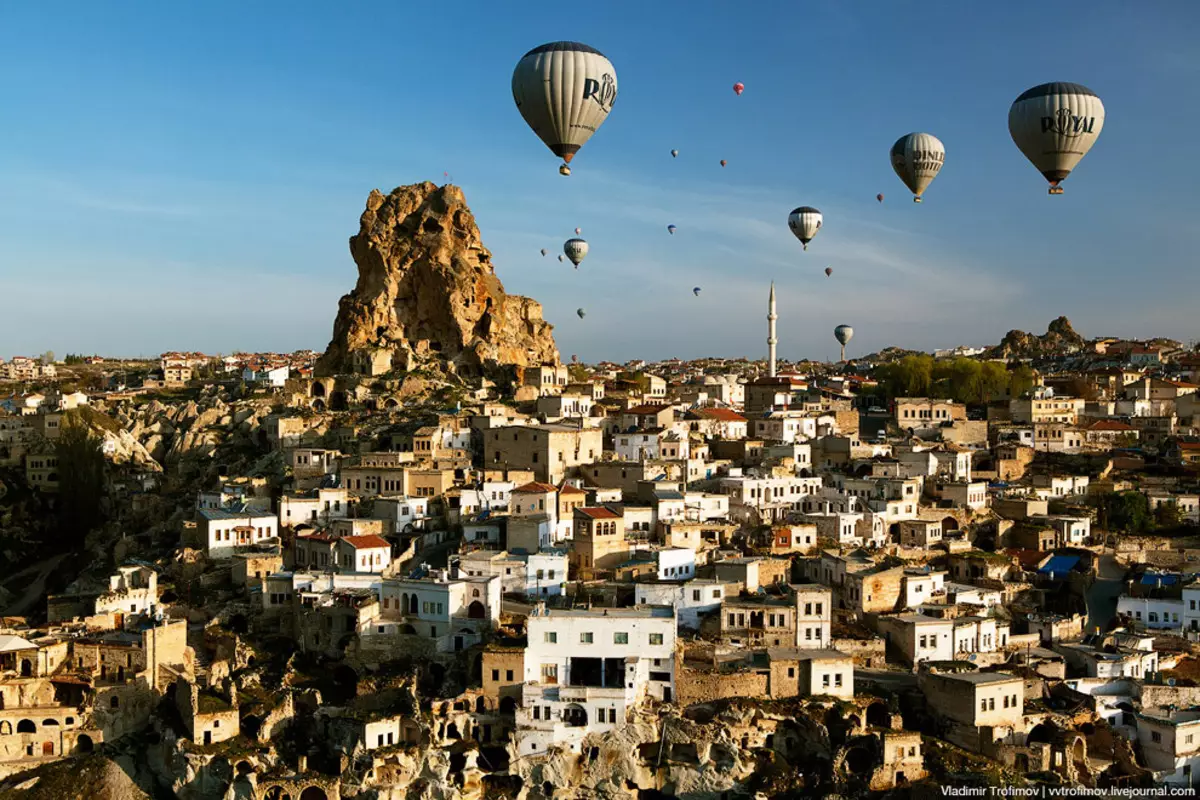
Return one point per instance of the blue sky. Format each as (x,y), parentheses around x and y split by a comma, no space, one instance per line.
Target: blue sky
(187,175)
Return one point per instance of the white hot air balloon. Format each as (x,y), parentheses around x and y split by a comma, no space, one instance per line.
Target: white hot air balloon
(564,90)
(805,221)
(560,258)
(544,251)
(1055,125)
(576,250)
(843,333)
(917,159)
(674,154)
(578,231)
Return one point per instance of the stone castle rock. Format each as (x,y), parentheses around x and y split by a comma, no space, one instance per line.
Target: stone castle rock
(428,297)
(1060,339)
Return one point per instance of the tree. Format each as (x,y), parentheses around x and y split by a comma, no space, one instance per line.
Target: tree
(80,479)
(48,357)
(1168,515)
(1124,511)
(1020,380)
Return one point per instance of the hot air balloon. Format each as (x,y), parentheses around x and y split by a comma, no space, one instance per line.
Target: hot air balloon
(828,271)
(738,88)
(581,313)
(723,162)
(671,229)
(917,159)
(674,154)
(578,231)
(1055,125)
(560,258)
(696,291)
(544,251)
(576,250)
(843,333)
(879,197)
(805,221)
(564,91)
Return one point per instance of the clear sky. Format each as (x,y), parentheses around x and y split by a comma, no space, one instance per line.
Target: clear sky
(186,175)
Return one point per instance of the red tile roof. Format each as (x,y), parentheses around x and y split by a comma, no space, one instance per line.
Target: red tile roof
(366,541)
(535,488)
(598,512)
(1110,425)
(720,414)
(569,489)
(649,408)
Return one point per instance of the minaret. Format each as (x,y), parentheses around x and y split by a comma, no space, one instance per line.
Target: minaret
(771,340)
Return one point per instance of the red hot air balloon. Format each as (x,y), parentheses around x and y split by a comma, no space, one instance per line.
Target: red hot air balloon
(828,271)
(738,88)
(723,162)
(879,197)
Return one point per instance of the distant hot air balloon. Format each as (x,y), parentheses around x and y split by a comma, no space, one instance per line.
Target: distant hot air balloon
(564,91)
(805,221)
(674,154)
(723,162)
(544,251)
(828,271)
(843,333)
(917,159)
(576,250)
(560,258)
(879,197)
(696,291)
(738,88)
(671,229)
(581,313)
(1055,125)
(574,359)
(578,231)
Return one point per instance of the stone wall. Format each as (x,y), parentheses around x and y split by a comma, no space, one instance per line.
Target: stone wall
(699,686)
(865,652)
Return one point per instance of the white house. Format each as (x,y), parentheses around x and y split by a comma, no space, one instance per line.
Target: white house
(545,573)
(585,670)
(676,563)
(919,638)
(367,553)
(319,505)
(267,376)
(225,530)
(691,599)
(453,612)
(1170,742)
(407,514)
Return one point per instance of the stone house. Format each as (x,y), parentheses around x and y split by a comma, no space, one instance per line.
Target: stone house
(210,715)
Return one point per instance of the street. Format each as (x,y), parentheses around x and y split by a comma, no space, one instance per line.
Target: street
(1102,595)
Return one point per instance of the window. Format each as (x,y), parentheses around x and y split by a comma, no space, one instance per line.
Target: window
(791,672)
(716,594)
(495,674)
(620,637)
(696,596)
(1155,736)
(825,681)
(537,712)
(819,609)
(983,705)
(656,638)
(837,680)
(549,673)
(508,675)
(586,638)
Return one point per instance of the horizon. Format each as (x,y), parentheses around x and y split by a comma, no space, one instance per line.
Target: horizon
(166,193)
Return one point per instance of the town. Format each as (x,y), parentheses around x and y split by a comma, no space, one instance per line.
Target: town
(389,566)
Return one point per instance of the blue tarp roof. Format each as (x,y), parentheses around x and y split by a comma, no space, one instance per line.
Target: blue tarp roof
(1058,564)
(1156,579)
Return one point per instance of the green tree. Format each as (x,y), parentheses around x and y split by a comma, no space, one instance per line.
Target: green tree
(80,479)
(48,357)
(1128,512)
(1168,515)
(1020,380)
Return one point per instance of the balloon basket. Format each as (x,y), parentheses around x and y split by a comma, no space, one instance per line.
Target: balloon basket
(1056,190)
(916,199)
(564,170)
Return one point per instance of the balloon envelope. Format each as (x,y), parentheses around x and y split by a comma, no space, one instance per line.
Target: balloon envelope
(581,313)
(1055,125)
(738,88)
(828,271)
(917,158)
(805,221)
(564,91)
(671,229)
(544,251)
(576,250)
(674,154)
(578,231)
(560,258)
(843,333)
(696,291)
(723,162)
(879,197)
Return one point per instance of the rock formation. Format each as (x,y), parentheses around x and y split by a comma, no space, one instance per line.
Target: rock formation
(428,296)
(1060,338)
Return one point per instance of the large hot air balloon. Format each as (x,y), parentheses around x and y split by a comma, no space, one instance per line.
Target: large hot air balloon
(879,197)
(564,90)
(578,231)
(696,291)
(805,221)
(917,159)
(576,250)
(671,229)
(1055,125)
(828,271)
(674,154)
(723,162)
(581,313)
(843,333)
(738,88)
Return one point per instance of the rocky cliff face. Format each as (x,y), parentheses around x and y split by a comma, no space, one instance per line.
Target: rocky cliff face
(428,296)
(1060,338)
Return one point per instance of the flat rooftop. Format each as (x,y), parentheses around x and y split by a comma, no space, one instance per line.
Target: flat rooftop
(635,612)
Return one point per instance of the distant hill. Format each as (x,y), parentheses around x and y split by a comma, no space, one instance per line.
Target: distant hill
(1060,339)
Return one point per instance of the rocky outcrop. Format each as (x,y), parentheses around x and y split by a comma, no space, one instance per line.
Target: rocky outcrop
(1060,339)
(428,296)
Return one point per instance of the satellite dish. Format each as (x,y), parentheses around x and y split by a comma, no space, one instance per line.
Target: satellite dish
(971,658)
